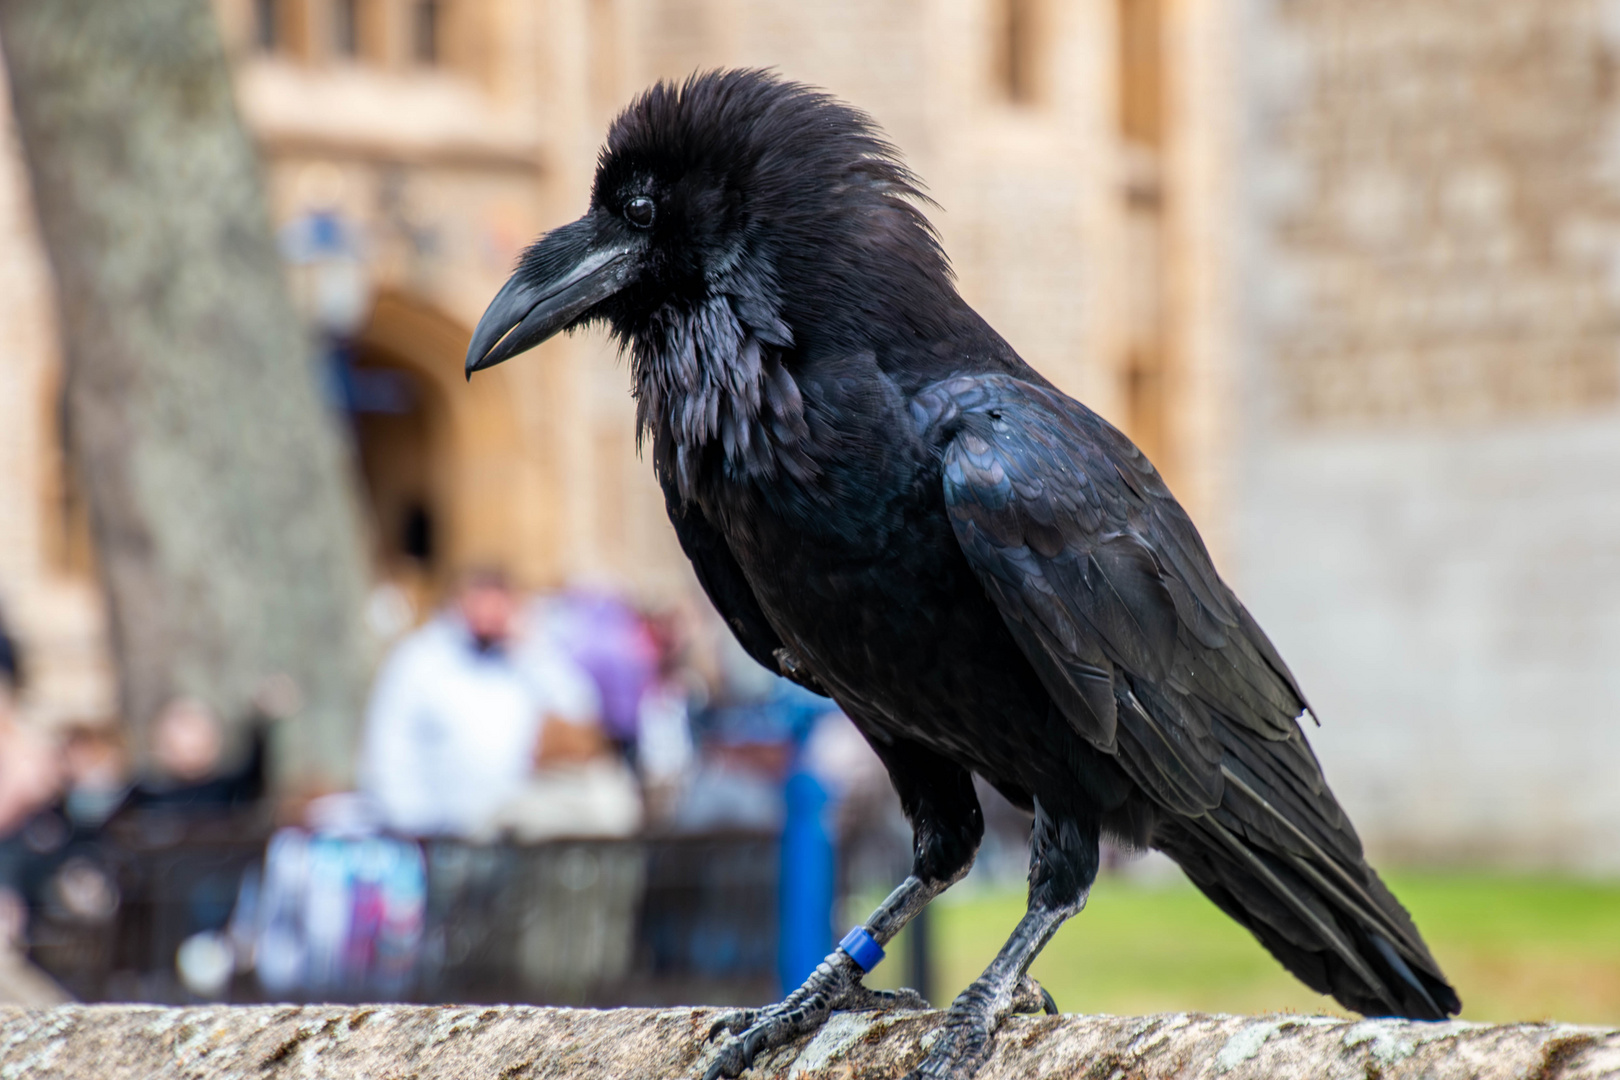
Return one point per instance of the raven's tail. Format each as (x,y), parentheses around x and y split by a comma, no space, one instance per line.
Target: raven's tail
(1327,918)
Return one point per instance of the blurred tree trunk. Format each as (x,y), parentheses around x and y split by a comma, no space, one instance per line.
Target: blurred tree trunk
(226,529)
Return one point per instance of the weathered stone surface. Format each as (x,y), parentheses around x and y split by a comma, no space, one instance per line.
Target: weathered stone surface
(519,1042)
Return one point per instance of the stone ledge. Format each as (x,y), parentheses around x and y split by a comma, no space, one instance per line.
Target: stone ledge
(393,1042)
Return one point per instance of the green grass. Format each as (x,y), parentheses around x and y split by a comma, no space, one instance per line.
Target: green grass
(1516,948)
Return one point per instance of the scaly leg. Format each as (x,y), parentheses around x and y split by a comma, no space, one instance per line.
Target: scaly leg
(1063,864)
(943,809)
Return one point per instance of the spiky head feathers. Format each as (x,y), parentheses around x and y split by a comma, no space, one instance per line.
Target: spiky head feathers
(750,173)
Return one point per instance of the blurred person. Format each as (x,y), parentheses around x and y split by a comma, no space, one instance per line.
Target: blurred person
(190,791)
(609,640)
(52,862)
(29,775)
(665,752)
(456,722)
(21,982)
(582,784)
(838,756)
(10,661)
(30,771)
(188,775)
(748,738)
(580,787)
(54,858)
(61,863)
(186,741)
(30,779)
(95,772)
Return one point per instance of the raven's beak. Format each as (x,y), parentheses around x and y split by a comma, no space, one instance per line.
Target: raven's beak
(561,278)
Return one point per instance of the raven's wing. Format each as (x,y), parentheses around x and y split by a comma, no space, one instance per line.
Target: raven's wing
(728,590)
(1106,585)
(1113,597)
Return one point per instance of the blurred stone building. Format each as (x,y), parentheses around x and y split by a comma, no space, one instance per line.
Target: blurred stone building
(1425,506)
(1348,269)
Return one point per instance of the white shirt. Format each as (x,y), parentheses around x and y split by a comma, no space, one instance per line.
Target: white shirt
(451,732)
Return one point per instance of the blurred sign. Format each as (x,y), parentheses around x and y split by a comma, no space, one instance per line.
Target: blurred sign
(331,280)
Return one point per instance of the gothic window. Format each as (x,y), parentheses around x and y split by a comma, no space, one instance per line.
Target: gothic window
(267,25)
(1018,36)
(426,30)
(346,28)
(1141,82)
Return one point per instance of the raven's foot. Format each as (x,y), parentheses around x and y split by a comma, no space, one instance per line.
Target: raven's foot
(963,1042)
(835,984)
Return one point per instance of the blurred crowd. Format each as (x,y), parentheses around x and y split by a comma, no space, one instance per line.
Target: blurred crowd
(66,794)
(499,718)
(575,714)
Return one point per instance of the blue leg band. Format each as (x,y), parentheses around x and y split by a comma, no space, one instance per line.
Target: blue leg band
(862,948)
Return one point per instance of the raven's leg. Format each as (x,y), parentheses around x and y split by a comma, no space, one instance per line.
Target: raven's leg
(938,798)
(1063,864)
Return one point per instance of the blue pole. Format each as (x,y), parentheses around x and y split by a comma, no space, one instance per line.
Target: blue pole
(807,885)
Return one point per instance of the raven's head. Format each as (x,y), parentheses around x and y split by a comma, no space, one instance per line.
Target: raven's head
(737,211)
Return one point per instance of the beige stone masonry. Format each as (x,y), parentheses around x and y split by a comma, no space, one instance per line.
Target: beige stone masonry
(519,1042)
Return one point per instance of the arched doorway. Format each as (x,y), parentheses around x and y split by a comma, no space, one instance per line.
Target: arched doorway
(402,441)
(435,454)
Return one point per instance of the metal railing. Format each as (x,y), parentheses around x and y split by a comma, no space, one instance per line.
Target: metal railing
(651,920)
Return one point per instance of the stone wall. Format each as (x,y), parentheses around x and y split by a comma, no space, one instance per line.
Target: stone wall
(1428,509)
(1451,218)
(519,1043)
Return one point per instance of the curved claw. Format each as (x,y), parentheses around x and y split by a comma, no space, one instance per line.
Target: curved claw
(835,984)
(769,1028)
(729,1063)
(731,1023)
(964,1040)
(752,1043)
(739,1053)
(1030,996)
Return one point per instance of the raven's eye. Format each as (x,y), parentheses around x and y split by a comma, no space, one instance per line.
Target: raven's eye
(639,211)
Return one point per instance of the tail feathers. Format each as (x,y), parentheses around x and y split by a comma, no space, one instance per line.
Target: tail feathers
(1412,984)
(1339,931)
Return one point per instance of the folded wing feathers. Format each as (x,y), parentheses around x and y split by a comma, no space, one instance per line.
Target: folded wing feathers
(1080,544)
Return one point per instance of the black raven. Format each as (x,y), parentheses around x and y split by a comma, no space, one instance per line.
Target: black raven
(890,507)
